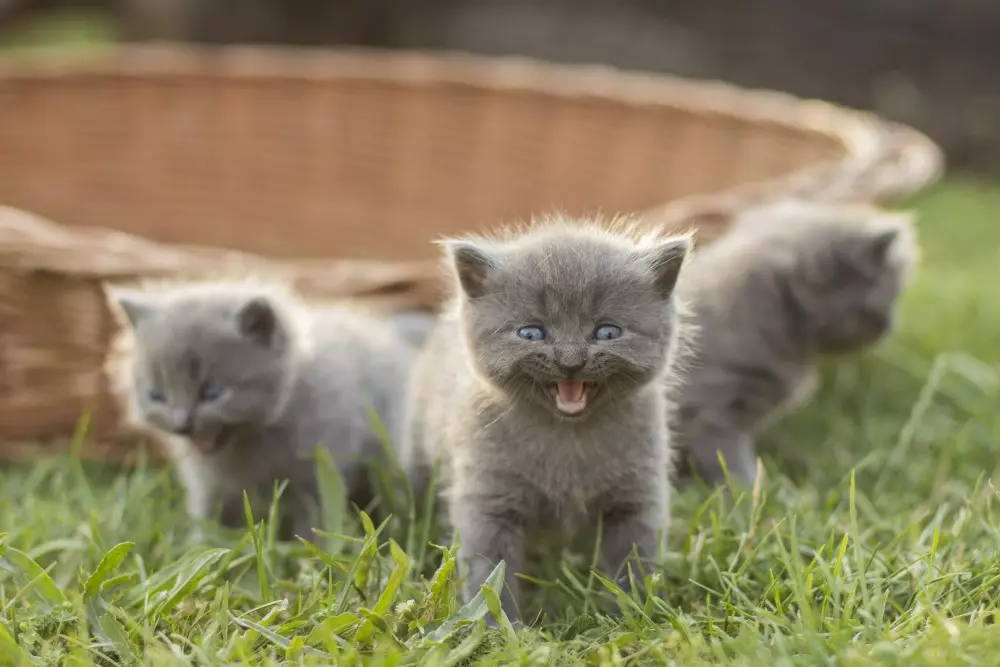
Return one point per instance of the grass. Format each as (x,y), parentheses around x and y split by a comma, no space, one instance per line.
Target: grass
(873,541)
(67,28)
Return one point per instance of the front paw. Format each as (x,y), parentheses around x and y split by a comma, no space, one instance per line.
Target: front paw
(487,544)
(630,545)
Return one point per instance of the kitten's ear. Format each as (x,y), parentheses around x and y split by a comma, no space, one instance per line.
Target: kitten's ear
(472,266)
(892,231)
(134,304)
(257,320)
(882,242)
(666,259)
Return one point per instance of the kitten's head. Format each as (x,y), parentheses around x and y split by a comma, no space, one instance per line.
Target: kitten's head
(854,267)
(569,315)
(208,358)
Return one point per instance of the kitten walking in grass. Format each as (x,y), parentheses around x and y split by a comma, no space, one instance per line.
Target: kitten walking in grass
(790,283)
(243,383)
(540,392)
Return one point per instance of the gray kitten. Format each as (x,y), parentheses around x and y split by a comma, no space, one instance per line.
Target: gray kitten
(540,392)
(792,282)
(244,383)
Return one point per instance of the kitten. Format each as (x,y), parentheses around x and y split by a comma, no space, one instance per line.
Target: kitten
(540,392)
(792,282)
(244,382)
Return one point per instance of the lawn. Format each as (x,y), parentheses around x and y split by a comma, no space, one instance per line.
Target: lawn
(874,539)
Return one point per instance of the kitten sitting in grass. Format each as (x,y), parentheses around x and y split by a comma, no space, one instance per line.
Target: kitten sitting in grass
(243,382)
(792,282)
(540,393)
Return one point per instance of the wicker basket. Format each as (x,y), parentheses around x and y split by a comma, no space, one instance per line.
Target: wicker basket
(302,156)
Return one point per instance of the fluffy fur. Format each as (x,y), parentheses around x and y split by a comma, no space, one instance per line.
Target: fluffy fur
(792,282)
(413,325)
(242,382)
(520,448)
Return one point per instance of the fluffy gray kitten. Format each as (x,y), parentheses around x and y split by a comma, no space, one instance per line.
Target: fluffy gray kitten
(244,382)
(540,392)
(791,283)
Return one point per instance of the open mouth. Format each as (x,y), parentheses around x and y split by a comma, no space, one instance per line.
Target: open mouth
(209,443)
(571,396)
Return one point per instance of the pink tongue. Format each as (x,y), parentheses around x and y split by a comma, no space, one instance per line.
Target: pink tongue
(207,445)
(570,396)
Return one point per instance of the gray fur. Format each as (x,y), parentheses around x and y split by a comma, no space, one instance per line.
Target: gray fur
(791,283)
(293,378)
(414,325)
(481,404)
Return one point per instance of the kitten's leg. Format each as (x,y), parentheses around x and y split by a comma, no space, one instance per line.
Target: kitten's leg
(199,502)
(705,443)
(487,537)
(420,479)
(232,513)
(299,516)
(302,525)
(200,497)
(633,534)
(358,485)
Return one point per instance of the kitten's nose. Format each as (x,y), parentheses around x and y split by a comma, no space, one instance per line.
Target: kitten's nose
(182,421)
(571,360)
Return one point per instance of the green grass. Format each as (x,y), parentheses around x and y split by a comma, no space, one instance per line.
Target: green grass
(64,29)
(873,540)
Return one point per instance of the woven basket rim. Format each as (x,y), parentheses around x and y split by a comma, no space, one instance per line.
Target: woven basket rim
(859,131)
(881,161)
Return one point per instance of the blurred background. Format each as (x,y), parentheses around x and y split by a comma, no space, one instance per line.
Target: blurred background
(931,64)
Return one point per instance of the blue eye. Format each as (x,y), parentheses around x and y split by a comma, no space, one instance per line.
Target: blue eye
(157,396)
(607,332)
(531,333)
(210,392)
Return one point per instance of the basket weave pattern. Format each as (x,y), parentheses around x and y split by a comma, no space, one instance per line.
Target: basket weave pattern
(305,156)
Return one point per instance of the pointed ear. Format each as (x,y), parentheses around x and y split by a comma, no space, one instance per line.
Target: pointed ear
(666,260)
(472,265)
(882,242)
(891,228)
(134,304)
(257,320)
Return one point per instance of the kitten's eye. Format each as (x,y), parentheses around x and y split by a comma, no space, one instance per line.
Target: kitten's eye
(531,333)
(157,396)
(210,392)
(607,332)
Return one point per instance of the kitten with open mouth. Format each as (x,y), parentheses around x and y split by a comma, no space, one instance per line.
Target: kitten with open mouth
(540,392)
(243,381)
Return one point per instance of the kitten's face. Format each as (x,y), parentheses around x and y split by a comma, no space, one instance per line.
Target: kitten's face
(569,322)
(856,284)
(203,368)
